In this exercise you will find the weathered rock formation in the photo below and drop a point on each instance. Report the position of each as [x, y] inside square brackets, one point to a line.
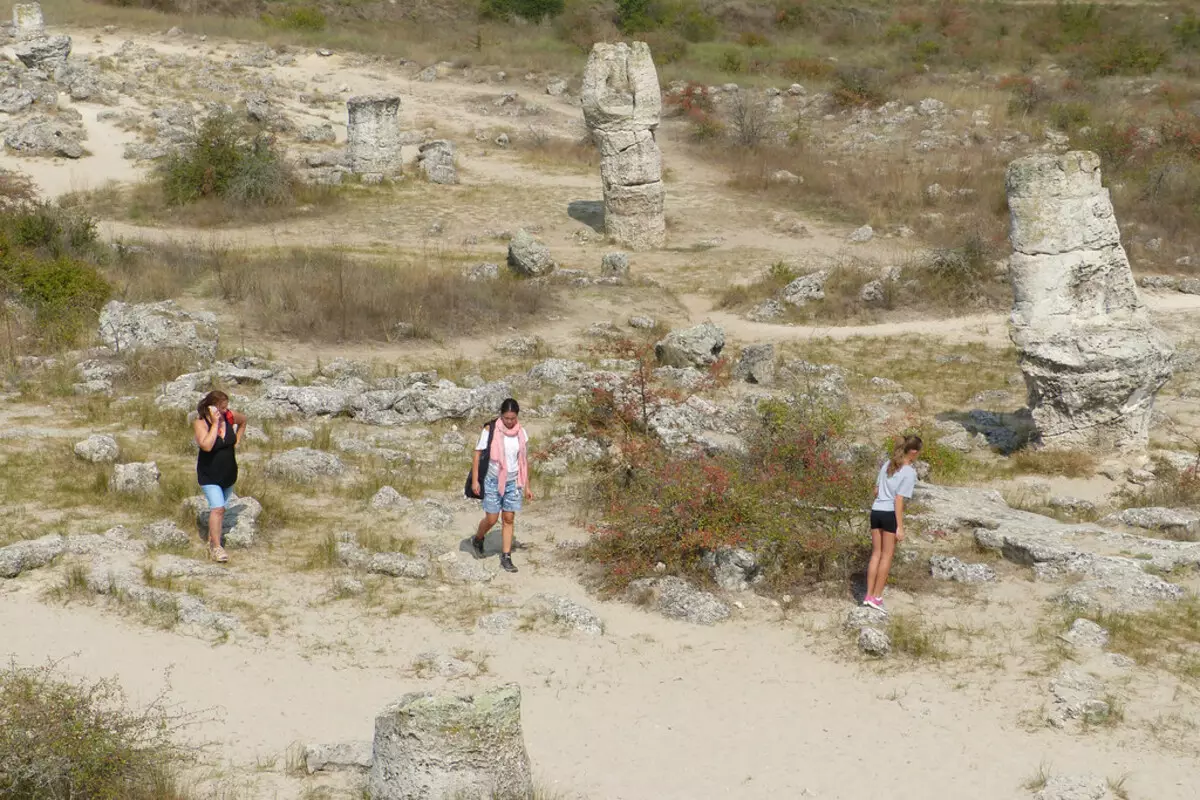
[373, 136]
[431, 746]
[27, 21]
[621, 105]
[436, 159]
[155, 326]
[1092, 359]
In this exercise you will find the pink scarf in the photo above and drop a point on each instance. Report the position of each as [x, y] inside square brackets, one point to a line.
[496, 454]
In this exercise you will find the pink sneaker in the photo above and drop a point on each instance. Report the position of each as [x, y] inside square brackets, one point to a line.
[874, 602]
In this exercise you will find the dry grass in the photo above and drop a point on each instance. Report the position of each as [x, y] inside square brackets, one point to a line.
[1167, 637]
[1064, 463]
[327, 296]
[912, 637]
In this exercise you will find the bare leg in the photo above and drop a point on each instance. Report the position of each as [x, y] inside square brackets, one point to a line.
[885, 562]
[486, 524]
[873, 565]
[216, 518]
[506, 531]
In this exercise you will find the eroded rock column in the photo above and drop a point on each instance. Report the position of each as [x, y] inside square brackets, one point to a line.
[28, 22]
[1092, 359]
[373, 136]
[622, 104]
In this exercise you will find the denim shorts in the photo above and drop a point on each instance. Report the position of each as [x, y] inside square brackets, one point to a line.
[493, 503]
[217, 497]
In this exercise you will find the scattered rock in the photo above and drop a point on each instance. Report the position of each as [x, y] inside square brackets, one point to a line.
[436, 160]
[699, 346]
[319, 134]
[642, 323]
[389, 499]
[1074, 696]
[862, 235]
[872, 293]
[30, 554]
[529, 258]
[566, 612]
[98, 449]
[1177, 523]
[45, 53]
[482, 272]
[756, 365]
[1087, 635]
[126, 327]
[861, 617]
[520, 346]
[497, 623]
[165, 533]
[733, 568]
[874, 642]
[676, 598]
[1074, 787]
[348, 586]
[463, 568]
[805, 288]
[614, 265]
[949, 568]
[443, 666]
[239, 526]
[45, 136]
[340, 756]
[135, 478]
[305, 465]
[431, 746]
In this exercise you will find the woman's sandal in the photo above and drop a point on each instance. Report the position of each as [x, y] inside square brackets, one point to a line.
[218, 554]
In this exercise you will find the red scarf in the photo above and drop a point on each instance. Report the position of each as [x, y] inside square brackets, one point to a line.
[496, 454]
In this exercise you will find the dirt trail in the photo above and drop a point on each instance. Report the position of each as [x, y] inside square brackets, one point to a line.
[740, 710]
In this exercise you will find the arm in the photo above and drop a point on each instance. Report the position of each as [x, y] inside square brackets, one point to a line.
[239, 425]
[899, 518]
[205, 438]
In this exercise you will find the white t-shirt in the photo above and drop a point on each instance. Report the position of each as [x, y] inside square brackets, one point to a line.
[889, 487]
[512, 452]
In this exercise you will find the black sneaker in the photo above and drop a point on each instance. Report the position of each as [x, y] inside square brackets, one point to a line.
[506, 563]
[477, 546]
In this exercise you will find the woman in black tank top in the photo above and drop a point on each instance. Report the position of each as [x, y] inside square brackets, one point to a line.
[218, 432]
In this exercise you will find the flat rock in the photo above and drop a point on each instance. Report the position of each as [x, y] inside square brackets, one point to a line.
[566, 612]
[352, 755]
[1086, 634]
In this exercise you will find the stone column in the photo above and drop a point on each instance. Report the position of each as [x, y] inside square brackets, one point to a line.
[373, 136]
[1093, 360]
[622, 104]
[28, 22]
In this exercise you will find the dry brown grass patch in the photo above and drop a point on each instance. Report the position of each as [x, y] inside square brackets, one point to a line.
[1065, 463]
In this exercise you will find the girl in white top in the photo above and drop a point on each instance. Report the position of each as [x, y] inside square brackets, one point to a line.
[894, 485]
[506, 483]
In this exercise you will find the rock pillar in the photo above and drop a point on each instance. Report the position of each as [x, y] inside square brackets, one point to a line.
[1093, 361]
[373, 136]
[622, 104]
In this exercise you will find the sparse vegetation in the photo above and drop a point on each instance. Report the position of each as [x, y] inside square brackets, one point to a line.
[1067, 463]
[1167, 637]
[61, 738]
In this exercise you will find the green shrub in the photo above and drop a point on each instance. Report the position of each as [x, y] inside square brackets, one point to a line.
[532, 10]
[1131, 53]
[790, 497]
[1187, 31]
[65, 295]
[304, 18]
[62, 739]
[1070, 116]
[859, 86]
[229, 160]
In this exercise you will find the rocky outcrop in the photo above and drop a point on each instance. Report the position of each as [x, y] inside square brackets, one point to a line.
[98, 449]
[622, 104]
[676, 598]
[45, 53]
[699, 346]
[373, 137]
[431, 746]
[305, 465]
[125, 327]
[436, 160]
[55, 137]
[1092, 359]
[527, 257]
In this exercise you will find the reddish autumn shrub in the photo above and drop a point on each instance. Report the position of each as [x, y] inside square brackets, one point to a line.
[793, 497]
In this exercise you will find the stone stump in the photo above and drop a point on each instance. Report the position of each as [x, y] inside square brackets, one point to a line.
[622, 104]
[373, 136]
[433, 746]
[27, 21]
[436, 160]
[1093, 361]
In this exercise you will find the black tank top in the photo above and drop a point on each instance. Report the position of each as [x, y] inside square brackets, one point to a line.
[218, 466]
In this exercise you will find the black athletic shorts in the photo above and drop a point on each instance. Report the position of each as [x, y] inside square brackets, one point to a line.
[883, 521]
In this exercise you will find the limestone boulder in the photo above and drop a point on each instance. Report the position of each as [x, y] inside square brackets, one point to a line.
[431, 746]
[699, 346]
[125, 327]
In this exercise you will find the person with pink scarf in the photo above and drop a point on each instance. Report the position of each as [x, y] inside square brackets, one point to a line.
[506, 482]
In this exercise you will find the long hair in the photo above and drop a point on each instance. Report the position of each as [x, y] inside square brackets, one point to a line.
[911, 444]
[213, 398]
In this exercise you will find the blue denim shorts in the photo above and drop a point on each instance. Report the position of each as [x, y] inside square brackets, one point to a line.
[216, 496]
[493, 503]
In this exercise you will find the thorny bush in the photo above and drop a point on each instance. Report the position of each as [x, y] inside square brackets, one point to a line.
[791, 496]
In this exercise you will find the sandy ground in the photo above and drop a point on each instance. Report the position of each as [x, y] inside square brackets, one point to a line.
[759, 707]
